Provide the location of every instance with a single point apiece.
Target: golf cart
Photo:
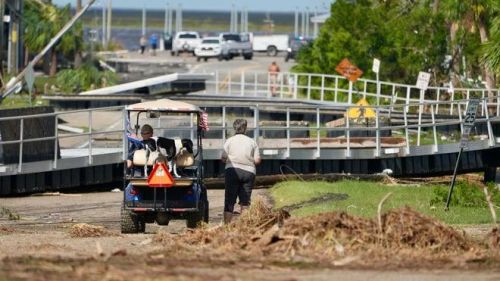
(159, 191)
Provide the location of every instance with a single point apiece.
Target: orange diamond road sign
(160, 176)
(349, 70)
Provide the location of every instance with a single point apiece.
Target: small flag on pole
(204, 121)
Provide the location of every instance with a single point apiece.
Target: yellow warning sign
(363, 110)
(160, 176)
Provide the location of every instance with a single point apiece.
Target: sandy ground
(38, 246)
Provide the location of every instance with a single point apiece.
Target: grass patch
(364, 197)
(21, 100)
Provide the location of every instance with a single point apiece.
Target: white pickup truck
(185, 41)
(272, 44)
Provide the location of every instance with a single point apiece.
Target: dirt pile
(327, 237)
(86, 230)
(494, 238)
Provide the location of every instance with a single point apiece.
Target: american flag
(204, 121)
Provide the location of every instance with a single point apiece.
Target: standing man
(153, 40)
(143, 41)
(241, 155)
(273, 70)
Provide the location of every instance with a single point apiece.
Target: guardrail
(86, 137)
(337, 89)
(414, 129)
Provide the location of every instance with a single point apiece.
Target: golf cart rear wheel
(194, 219)
(206, 212)
(130, 222)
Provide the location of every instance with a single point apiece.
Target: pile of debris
(327, 237)
(87, 230)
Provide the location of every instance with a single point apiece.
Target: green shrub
(465, 195)
(84, 78)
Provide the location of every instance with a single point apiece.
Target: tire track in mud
(316, 200)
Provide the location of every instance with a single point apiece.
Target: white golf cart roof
(163, 105)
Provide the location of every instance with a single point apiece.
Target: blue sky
(251, 5)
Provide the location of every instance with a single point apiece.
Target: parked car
(272, 44)
(233, 45)
(185, 41)
(210, 47)
(295, 46)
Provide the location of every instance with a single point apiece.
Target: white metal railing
(415, 131)
(337, 89)
(419, 135)
(86, 138)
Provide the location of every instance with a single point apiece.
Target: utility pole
(144, 20)
(303, 24)
(296, 26)
(307, 21)
(14, 47)
(2, 13)
(110, 11)
(78, 54)
(242, 21)
(167, 14)
(104, 24)
(315, 30)
(231, 24)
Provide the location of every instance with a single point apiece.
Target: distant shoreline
(194, 20)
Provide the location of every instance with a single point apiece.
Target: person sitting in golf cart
(154, 147)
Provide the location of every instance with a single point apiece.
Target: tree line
(454, 40)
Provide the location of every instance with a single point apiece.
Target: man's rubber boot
(227, 217)
(244, 209)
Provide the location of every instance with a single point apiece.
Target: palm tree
(491, 57)
(43, 21)
(78, 53)
(471, 15)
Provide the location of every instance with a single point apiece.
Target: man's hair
(146, 128)
(240, 126)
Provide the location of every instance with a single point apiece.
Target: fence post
(349, 98)
(21, 141)
(318, 133)
(280, 76)
(217, 82)
(491, 136)
(322, 87)
(229, 82)
(56, 136)
(295, 85)
(407, 135)
(498, 103)
(348, 134)
(336, 89)
(256, 121)
(255, 81)
(242, 83)
(438, 94)
(90, 136)
(308, 86)
(287, 132)
(434, 129)
(452, 102)
(377, 133)
(420, 109)
(269, 94)
(408, 91)
(224, 133)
